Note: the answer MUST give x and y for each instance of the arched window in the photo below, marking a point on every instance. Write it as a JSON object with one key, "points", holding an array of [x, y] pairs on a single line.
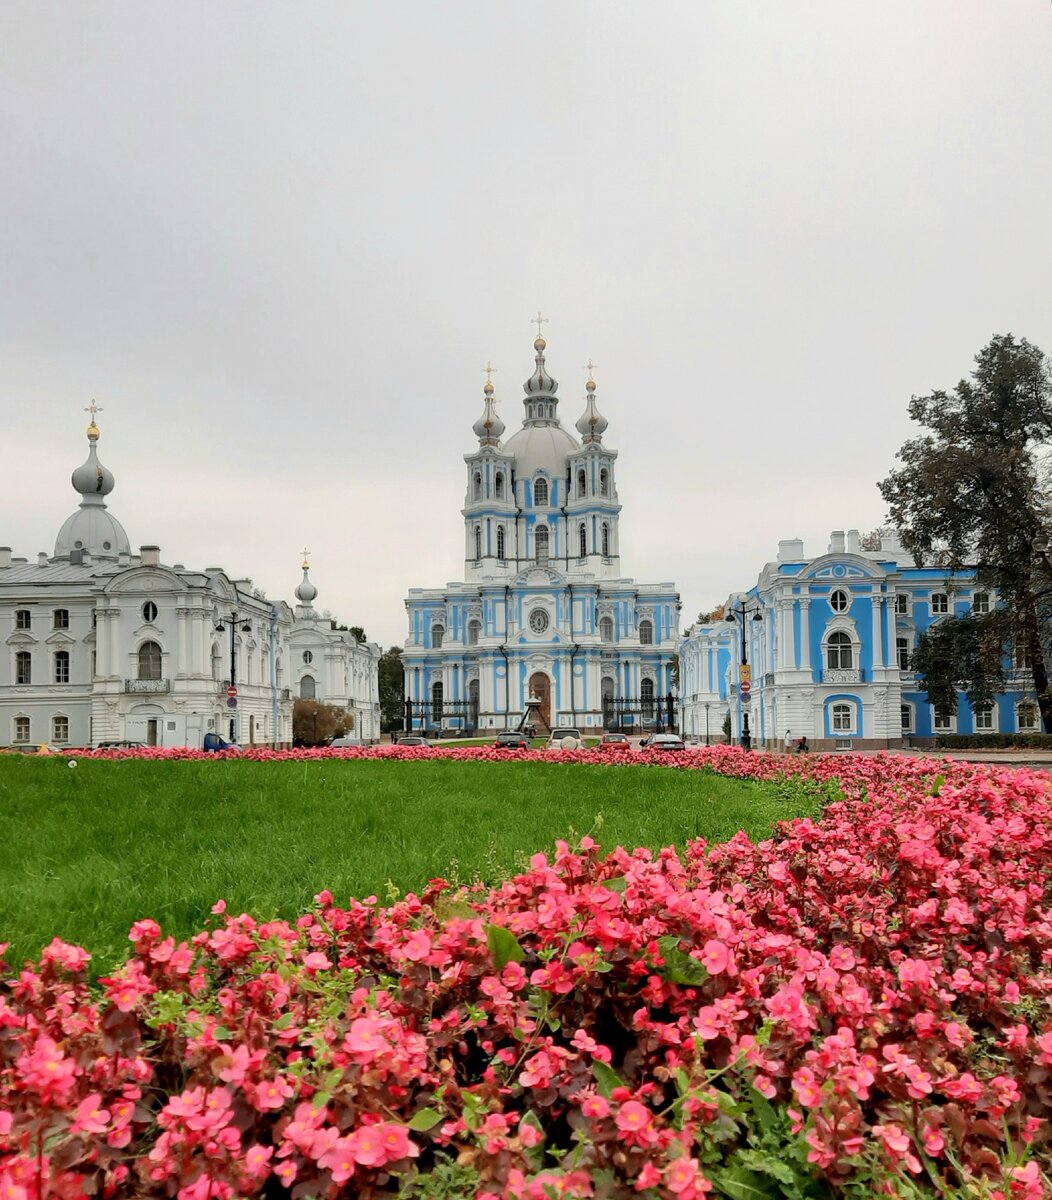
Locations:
{"points": [[606, 629], [477, 486], [541, 543], [473, 700], [1028, 716], [308, 688], [842, 718], [981, 602], [646, 695], [61, 620], [149, 661], [939, 603], [606, 691], [582, 540], [498, 485], [62, 666], [436, 701], [906, 716], [606, 540], [839, 652], [1022, 657], [23, 667], [474, 629], [646, 633], [478, 541], [500, 542], [582, 482], [984, 718], [60, 729], [438, 632], [604, 482], [540, 493], [21, 729]]}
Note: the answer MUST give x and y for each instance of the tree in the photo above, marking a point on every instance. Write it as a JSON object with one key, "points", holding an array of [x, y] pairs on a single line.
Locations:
{"points": [[392, 689], [970, 493], [674, 671], [316, 724], [359, 634]]}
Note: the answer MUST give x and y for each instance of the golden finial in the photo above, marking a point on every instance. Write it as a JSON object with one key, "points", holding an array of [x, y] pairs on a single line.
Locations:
{"points": [[489, 372], [306, 559], [93, 429], [590, 367], [539, 320]]}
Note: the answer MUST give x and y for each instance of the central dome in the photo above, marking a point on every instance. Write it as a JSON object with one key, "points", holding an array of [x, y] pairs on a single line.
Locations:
{"points": [[541, 448]]}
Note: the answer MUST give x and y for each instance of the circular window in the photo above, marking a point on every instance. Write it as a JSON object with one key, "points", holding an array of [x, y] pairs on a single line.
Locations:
{"points": [[149, 611], [78, 545], [839, 601], [538, 620], [308, 657], [105, 545]]}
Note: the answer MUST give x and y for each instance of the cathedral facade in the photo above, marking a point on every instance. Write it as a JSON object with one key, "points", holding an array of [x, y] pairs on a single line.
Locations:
{"points": [[544, 609], [104, 644]]}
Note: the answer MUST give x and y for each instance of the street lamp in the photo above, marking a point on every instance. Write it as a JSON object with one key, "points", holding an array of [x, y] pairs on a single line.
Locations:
{"points": [[739, 613], [246, 627], [707, 705]]}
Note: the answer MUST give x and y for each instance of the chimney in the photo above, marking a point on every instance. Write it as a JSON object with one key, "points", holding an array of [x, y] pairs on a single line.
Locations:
{"points": [[150, 556], [854, 542], [791, 550], [42, 558], [85, 558], [5, 557], [123, 559], [836, 542]]}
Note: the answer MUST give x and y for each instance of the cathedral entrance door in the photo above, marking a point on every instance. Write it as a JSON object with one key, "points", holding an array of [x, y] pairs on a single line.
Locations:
{"points": [[541, 687]]}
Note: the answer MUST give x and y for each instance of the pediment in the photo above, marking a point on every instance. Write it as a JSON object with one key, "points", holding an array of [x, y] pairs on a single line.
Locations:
{"points": [[538, 577], [839, 568], [145, 580], [21, 638], [59, 638]]}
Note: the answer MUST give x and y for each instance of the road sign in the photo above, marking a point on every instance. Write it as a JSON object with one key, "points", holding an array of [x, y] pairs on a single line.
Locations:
{"points": [[746, 687], [745, 673], [232, 702], [746, 698], [231, 691]]}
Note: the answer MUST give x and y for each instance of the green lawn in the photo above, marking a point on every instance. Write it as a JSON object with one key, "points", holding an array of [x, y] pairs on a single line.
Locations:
{"points": [[85, 852]]}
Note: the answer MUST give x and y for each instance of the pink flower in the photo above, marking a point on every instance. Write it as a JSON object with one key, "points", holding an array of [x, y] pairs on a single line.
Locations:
{"points": [[316, 961], [632, 1117], [418, 947], [91, 1116], [715, 957], [594, 1105]]}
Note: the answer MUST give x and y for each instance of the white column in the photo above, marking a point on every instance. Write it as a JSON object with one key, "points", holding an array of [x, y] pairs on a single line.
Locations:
{"points": [[877, 650], [181, 634], [102, 643], [805, 633], [115, 638]]}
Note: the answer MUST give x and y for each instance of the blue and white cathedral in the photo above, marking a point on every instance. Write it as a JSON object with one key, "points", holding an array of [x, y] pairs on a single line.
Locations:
{"points": [[544, 609]]}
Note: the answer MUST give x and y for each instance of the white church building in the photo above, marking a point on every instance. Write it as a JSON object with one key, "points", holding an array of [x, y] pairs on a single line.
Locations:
{"points": [[544, 608], [106, 645]]}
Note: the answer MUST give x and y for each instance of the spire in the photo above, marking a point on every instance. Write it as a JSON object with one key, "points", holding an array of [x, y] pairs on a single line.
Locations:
{"points": [[489, 427], [592, 424], [306, 591]]}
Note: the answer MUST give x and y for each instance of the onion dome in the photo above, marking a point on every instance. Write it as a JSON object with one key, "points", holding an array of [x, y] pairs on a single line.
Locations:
{"points": [[306, 592], [92, 527], [489, 427], [540, 383], [591, 425], [91, 478]]}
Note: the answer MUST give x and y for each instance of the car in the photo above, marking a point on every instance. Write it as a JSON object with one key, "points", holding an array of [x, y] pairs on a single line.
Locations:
{"points": [[341, 743], [121, 746], [663, 742], [411, 739], [565, 737], [614, 743], [512, 739], [215, 744]]}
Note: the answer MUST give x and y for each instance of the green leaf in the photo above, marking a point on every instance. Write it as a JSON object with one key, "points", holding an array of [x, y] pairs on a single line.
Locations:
{"points": [[739, 1183], [222, 1034], [425, 1119], [617, 884], [680, 967], [503, 945], [682, 1081], [606, 1078], [284, 1021], [763, 1109], [767, 1164]]}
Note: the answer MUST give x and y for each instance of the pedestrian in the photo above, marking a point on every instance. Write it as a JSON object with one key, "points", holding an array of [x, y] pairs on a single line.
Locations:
{"points": [[788, 741], [802, 746]]}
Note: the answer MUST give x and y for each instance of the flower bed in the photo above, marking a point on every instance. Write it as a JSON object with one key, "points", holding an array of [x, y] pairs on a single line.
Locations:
{"points": [[860, 1004]]}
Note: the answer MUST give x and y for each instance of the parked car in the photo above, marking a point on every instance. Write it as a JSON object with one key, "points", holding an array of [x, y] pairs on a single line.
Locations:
{"points": [[122, 746], [342, 742], [614, 743], [214, 743], [663, 742], [411, 739], [512, 739], [565, 737]]}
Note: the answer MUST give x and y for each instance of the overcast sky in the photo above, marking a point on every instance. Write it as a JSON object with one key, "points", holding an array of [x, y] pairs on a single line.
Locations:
{"points": [[278, 242]]}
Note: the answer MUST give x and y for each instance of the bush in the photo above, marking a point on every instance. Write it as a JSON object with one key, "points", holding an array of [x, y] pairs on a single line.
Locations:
{"points": [[994, 741]]}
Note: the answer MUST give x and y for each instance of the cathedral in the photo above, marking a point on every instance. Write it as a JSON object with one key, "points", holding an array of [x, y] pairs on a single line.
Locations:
{"points": [[107, 645], [544, 610]]}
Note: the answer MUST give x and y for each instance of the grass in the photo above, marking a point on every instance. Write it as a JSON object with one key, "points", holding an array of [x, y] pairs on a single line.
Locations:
{"points": [[85, 852]]}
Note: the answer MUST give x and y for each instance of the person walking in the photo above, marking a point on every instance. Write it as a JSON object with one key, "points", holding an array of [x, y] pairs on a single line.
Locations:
{"points": [[788, 741]]}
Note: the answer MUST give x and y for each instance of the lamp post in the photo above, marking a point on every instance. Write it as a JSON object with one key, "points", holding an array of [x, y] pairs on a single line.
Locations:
{"points": [[707, 705], [739, 612], [246, 627]]}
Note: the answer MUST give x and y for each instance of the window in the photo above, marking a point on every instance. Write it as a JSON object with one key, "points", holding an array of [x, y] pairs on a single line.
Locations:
{"points": [[500, 542], [498, 485], [582, 541], [646, 633], [942, 720], [984, 717], [23, 618], [582, 483], [606, 629], [842, 718], [541, 543], [604, 482], [149, 612], [839, 601], [902, 604], [308, 688], [94, 618], [839, 652], [436, 701], [21, 729], [606, 540], [438, 632], [60, 729], [538, 620], [23, 667], [902, 651], [939, 603], [149, 661], [1027, 717], [981, 602], [1023, 661], [308, 657], [478, 542], [906, 711], [646, 695], [62, 666], [474, 629], [61, 618], [540, 493], [476, 490]]}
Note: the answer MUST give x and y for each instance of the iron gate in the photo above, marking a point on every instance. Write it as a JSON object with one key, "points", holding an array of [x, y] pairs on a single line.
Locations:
{"points": [[634, 714]]}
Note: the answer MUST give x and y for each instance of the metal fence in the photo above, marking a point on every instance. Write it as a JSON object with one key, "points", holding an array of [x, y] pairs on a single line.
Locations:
{"points": [[633, 714], [456, 716]]}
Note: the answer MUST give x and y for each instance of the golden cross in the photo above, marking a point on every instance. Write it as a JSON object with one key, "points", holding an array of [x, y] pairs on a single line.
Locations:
{"points": [[538, 320], [306, 558], [489, 371], [590, 367], [93, 408]]}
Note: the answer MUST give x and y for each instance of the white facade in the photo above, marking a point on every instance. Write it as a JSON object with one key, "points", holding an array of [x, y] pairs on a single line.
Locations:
{"points": [[103, 645]]}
